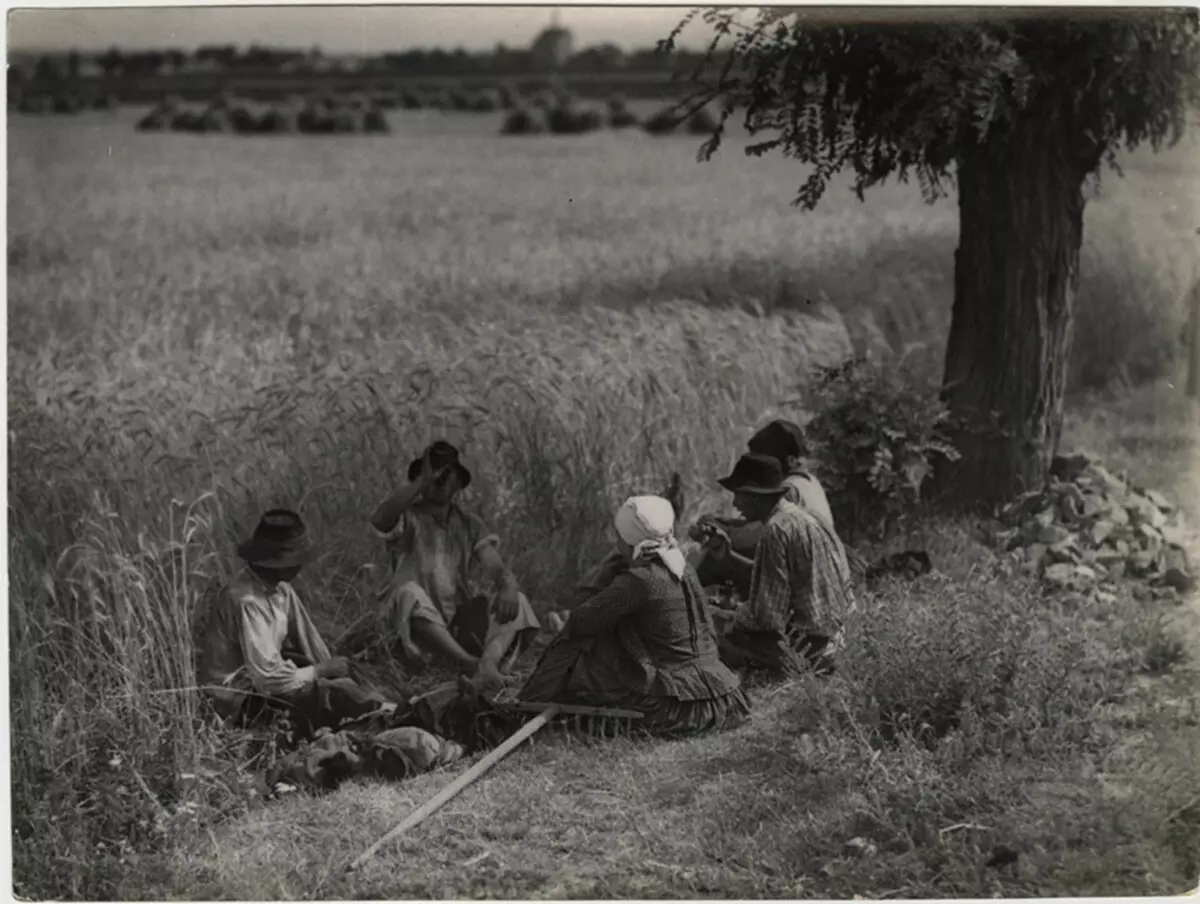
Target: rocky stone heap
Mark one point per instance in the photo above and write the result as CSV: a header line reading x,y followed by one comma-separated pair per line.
x,y
1090,529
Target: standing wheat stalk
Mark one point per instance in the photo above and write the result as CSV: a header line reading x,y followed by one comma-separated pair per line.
x,y
391,423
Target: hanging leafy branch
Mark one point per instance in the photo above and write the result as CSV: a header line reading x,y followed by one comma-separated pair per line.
x,y
904,98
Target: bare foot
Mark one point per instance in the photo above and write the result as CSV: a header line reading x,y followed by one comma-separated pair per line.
x,y
414,659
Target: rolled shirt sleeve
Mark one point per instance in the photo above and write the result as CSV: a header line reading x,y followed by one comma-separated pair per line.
x,y
302,633
400,531
269,672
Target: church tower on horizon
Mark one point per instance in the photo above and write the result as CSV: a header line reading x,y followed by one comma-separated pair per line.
x,y
554,46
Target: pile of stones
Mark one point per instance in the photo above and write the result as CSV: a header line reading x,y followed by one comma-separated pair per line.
x,y
1089,529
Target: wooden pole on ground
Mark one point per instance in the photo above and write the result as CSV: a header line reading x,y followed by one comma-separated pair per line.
x,y
571,709
452,790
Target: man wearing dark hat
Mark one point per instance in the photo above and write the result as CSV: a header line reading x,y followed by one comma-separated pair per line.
x,y
800,579
431,602
260,645
785,442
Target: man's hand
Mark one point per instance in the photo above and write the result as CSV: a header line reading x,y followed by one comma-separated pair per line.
x,y
703,528
428,477
507,605
718,544
337,667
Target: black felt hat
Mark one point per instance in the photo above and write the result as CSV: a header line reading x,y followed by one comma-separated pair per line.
x,y
784,437
280,541
441,454
756,474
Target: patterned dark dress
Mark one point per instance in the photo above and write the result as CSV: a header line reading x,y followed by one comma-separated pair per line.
x,y
645,642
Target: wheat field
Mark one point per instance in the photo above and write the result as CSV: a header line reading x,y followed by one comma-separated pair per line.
x,y
191,323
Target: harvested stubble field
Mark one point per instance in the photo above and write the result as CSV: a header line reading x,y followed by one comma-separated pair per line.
x,y
191,319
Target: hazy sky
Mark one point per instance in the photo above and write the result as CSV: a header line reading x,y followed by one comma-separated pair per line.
x,y
341,28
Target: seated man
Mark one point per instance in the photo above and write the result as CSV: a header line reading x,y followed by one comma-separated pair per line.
x,y
785,442
259,650
800,585
429,600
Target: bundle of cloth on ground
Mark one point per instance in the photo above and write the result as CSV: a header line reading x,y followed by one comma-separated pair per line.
x,y
641,634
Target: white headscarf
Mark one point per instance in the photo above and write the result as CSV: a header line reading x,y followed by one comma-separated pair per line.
x,y
647,523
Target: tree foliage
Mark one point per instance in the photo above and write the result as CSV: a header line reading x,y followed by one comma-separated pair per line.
x,y
839,90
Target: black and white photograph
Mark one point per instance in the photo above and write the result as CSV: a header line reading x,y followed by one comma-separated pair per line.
x,y
603,451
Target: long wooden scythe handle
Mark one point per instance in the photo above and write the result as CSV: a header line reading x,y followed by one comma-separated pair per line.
x,y
452,790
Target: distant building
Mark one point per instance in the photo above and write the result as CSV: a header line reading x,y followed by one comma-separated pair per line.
x,y
552,48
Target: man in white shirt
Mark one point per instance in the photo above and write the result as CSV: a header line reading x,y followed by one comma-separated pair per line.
x,y
259,649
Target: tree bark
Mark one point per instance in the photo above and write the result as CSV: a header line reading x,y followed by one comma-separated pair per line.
x,y
1020,199
1193,341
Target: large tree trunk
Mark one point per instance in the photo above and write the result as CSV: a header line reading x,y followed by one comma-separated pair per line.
x,y
1193,343
1020,201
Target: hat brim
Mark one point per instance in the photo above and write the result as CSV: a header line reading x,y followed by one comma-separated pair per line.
x,y
737,486
464,475
272,556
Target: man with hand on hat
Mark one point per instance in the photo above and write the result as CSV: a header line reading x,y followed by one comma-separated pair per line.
x,y
430,601
259,645
800,579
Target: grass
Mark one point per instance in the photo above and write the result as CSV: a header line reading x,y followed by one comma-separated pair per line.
x,y
191,319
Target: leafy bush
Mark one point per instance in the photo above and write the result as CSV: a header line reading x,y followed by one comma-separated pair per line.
x,y
879,432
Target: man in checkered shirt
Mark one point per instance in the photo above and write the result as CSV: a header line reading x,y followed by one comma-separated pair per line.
x,y
800,585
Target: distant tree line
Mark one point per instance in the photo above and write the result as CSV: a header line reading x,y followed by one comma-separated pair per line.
x,y
501,61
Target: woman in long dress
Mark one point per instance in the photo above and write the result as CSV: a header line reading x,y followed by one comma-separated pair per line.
x,y
642,639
